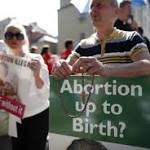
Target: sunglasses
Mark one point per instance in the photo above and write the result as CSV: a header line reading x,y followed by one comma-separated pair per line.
x,y
17,35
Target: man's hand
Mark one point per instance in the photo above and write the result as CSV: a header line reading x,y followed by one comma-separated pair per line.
x,y
61,69
89,65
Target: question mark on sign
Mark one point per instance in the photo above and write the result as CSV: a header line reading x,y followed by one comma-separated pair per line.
x,y
122,128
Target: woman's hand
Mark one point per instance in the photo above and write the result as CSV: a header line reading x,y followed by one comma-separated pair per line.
x,y
35,66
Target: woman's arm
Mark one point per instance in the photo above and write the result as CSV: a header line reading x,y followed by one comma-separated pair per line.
x,y
36,67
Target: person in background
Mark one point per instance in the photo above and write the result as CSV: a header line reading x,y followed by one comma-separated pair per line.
x,y
141,32
125,19
85,144
5,141
29,133
8,82
34,49
68,49
48,57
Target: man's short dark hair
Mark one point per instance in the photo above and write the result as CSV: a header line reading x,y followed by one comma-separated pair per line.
x,y
124,2
86,144
68,43
45,49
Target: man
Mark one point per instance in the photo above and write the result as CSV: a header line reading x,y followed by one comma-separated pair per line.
x,y
125,19
48,57
34,49
86,144
109,51
68,49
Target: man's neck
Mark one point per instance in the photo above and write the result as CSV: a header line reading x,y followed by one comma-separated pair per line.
x,y
103,33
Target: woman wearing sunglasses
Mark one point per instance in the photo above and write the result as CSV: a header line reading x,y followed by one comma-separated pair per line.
x,y
33,91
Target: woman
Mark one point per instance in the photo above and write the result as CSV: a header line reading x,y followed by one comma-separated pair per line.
x,y
32,90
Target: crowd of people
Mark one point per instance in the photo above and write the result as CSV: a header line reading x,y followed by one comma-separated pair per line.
x,y
112,51
49,57
126,21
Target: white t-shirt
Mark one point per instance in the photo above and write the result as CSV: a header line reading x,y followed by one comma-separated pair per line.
x,y
35,100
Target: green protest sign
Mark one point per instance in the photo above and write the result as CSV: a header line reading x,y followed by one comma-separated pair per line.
x,y
118,110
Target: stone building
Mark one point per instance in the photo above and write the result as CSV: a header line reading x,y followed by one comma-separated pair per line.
x,y
72,24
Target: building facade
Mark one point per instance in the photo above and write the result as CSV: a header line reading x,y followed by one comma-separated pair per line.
x,y
71,24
